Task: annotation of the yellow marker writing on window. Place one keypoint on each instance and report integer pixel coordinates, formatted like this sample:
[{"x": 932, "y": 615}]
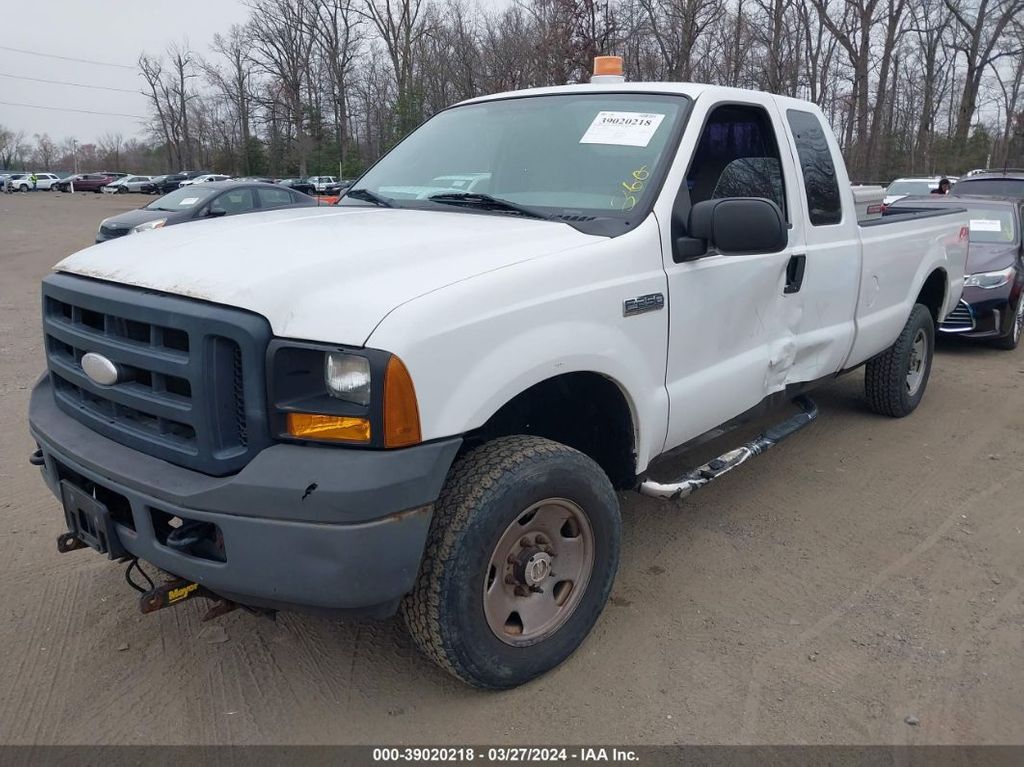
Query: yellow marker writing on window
[{"x": 632, "y": 188}]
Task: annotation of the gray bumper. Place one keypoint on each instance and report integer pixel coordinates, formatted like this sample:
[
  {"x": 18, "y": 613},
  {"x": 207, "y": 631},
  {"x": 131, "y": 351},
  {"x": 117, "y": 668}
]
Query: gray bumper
[{"x": 305, "y": 527}]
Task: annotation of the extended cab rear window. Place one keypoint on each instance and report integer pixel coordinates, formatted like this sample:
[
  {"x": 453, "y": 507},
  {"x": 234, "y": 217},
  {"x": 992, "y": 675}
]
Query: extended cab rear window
[{"x": 824, "y": 206}]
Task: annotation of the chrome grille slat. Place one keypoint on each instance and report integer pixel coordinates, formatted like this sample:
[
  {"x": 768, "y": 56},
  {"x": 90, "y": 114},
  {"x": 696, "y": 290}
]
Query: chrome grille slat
[{"x": 960, "y": 320}]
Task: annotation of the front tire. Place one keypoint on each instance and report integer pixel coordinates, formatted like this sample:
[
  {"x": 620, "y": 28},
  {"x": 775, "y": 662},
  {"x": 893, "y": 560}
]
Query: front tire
[
  {"x": 895, "y": 380},
  {"x": 520, "y": 559},
  {"x": 1010, "y": 341}
]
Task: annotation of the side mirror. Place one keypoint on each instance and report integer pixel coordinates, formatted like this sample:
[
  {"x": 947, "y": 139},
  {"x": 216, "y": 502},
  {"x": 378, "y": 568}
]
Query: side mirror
[
  {"x": 733, "y": 226},
  {"x": 215, "y": 212}
]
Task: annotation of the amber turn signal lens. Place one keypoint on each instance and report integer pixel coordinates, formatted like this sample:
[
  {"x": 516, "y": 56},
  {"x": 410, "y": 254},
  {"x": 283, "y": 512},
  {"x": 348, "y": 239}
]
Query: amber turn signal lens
[
  {"x": 608, "y": 65},
  {"x": 401, "y": 413},
  {"x": 331, "y": 427}
]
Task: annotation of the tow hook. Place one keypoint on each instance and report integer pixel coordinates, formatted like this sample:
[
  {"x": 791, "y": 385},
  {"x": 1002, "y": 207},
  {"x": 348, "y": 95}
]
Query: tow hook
[
  {"x": 68, "y": 542},
  {"x": 179, "y": 590},
  {"x": 36, "y": 459}
]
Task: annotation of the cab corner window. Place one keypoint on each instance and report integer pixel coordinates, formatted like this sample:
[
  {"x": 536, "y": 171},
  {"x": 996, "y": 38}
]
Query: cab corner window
[
  {"x": 824, "y": 206},
  {"x": 737, "y": 156}
]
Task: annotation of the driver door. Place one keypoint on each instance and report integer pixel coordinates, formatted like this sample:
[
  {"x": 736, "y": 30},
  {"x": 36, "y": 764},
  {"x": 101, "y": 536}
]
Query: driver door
[{"x": 732, "y": 318}]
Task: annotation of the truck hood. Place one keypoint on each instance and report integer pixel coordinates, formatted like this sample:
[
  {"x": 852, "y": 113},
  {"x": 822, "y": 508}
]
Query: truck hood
[{"x": 322, "y": 274}]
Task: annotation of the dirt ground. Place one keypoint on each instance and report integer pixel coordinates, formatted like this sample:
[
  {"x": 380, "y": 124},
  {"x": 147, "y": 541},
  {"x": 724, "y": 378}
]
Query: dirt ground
[{"x": 866, "y": 571}]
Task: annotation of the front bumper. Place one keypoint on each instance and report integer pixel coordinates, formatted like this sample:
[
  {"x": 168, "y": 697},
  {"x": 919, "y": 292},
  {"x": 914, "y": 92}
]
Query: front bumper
[
  {"x": 984, "y": 313},
  {"x": 315, "y": 528}
]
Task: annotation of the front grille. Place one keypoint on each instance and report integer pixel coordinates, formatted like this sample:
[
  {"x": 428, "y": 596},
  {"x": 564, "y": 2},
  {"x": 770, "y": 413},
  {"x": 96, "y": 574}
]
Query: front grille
[
  {"x": 111, "y": 232},
  {"x": 190, "y": 386},
  {"x": 960, "y": 320}
]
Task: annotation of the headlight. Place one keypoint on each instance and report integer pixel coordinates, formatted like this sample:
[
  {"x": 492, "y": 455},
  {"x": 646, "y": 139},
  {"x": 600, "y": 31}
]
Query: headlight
[
  {"x": 348, "y": 377},
  {"x": 990, "y": 280},
  {"x": 343, "y": 395},
  {"x": 158, "y": 224}
]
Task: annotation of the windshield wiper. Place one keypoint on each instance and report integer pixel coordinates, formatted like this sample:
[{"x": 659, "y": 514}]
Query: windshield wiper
[
  {"x": 486, "y": 202},
  {"x": 367, "y": 196}
]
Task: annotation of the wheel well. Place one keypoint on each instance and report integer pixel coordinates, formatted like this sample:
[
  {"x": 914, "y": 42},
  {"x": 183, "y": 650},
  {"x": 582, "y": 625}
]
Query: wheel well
[
  {"x": 933, "y": 293},
  {"x": 585, "y": 411}
]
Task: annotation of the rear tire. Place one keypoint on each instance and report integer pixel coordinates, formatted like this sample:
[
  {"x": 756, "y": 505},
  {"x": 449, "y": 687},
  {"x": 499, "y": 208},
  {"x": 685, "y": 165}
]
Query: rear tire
[
  {"x": 554, "y": 580},
  {"x": 895, "y": 380}
]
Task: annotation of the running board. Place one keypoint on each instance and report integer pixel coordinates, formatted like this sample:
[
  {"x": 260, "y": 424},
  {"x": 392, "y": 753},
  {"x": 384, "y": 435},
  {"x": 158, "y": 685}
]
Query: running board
[{"x": 712, "y": 470}]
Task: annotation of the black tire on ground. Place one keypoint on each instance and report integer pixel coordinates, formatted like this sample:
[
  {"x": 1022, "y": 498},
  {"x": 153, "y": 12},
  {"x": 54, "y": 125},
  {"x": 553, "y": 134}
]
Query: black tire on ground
[
  {"x": 487, "y": 491},
  {"x": 889, "y": 383},
  {"x": 1010, "y": 340}
]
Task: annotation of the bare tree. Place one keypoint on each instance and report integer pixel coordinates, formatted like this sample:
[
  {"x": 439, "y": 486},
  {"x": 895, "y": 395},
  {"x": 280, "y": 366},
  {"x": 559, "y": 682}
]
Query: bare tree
[
  {"x": 400, "y": 26},
  {"x": 280, "y": 32},
  {"x": 45, "y": 152},
  {"x": 981, "y": 41}
]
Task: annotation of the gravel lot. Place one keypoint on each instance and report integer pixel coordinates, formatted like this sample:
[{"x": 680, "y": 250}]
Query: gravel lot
[{"x": 866, "y": 571}]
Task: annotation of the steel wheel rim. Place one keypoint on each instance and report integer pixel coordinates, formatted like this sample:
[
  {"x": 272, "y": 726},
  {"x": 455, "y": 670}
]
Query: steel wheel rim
[
  {"x": 538, "y": 572},
  {"x": 918, "y": 362}
]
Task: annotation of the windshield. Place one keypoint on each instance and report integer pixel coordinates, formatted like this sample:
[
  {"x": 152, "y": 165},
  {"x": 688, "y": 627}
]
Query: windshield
[
  {"x": 911, "y": 187},
  {"x": 991, "y": 187},
  {"x": 592, "y": 154},
  {"x": 180, "y": 199}
]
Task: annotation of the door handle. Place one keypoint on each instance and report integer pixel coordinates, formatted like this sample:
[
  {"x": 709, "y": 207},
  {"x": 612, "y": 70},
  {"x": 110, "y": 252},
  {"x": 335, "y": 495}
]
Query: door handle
[{"x": 795, "y": 273}]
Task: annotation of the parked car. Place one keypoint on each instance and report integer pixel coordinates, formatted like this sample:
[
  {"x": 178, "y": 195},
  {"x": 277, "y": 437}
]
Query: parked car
[
  {"x": 208, "y": 200},
  {"x": 163, "y": 184},
  {"x": 992, "y": 183},
  {"x": 992, "y": 305},
  {"x": 429, "y": 401},
  {"x": 320, "y": 183},
  {"x": 83, "y": 182},
  {"x": 13, "y": 180},
  {"x": 22, "y": 182},
  {"x": 262, "y": 179},
  {"x": 903, "y": 187},
  {"x": 337, "y": 187},
  {"x": 298, "y": 184},
  {"x": 128, "y": 184},
  {"x": 206, "y": 178}
]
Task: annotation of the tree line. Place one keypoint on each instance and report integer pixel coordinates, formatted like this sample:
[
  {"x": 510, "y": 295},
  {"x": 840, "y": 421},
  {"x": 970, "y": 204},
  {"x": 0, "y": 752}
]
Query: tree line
[{"x": 314, "y": 86}]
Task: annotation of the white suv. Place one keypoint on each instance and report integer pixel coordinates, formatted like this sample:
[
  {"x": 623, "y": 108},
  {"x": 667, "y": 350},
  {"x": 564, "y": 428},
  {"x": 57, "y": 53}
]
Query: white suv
[
  {"x": 22, "y": 182},
  {"x": 320, "y": 183}
]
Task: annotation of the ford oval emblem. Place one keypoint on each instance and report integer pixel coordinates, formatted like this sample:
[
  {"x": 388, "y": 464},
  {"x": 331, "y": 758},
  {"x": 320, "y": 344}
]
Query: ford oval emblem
[{"x": 99, "y": 369}]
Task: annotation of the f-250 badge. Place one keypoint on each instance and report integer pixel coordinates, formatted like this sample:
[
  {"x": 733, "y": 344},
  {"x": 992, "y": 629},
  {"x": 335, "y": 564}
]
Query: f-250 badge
[{"x": 651, "y": 302}]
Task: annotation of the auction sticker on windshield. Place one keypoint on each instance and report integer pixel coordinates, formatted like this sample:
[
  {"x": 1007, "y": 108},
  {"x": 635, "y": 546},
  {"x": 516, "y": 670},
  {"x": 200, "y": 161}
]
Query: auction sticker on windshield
[
  {"x": 622, "y": 128},
  {"x": 189, "y": 201},
  {"x": 986, "y": 225}
]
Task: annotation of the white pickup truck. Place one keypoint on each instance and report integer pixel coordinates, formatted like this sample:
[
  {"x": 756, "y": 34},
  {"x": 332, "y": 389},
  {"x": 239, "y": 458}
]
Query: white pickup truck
[{"x": 432, "y": 410}]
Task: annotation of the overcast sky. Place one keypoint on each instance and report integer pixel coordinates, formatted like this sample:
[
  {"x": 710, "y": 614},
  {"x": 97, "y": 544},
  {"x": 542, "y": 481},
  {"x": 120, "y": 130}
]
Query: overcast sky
[{"x": 110, "y": 31}]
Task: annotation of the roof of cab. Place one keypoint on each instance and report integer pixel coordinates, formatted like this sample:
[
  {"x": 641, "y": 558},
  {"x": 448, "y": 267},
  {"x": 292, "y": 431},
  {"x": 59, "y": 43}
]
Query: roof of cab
[{"x": 684, "y": 89}]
